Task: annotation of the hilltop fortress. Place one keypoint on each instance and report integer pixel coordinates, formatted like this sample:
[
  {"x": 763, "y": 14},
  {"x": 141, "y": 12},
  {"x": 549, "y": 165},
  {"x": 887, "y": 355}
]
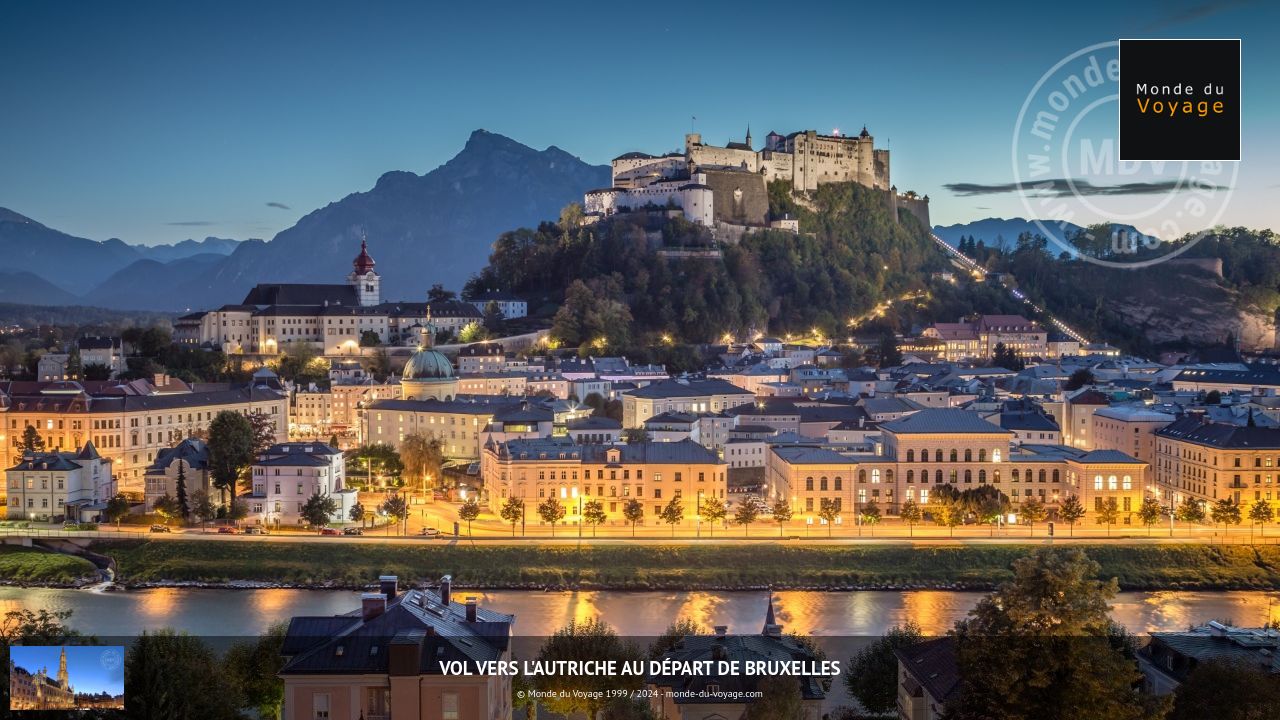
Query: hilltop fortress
[{"x": 725, "y": 188}]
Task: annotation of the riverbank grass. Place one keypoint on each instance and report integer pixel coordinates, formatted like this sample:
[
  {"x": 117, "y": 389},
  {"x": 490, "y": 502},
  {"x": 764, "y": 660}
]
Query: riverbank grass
[
  {"x": 26, "y": 565},
  {"x": 686, "y": 567}
]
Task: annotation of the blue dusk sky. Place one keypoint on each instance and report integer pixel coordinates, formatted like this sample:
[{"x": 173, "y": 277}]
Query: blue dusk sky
[
  {"x": 87, "y": 670},
  {"x": 154, "y": 122}
]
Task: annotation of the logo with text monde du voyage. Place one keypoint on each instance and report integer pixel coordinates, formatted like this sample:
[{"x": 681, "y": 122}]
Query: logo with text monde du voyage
[{"x": 1124, "y": 152}]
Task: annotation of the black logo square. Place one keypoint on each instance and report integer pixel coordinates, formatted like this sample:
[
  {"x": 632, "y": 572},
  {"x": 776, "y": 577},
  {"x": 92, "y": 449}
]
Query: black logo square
[{"x": 1180, "y": 100}]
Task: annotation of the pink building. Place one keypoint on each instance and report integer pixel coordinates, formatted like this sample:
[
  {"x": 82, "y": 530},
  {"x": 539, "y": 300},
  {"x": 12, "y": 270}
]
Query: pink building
[{"x": 384, "y": 660}]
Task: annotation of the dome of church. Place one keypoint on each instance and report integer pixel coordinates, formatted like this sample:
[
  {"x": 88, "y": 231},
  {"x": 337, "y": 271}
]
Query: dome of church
[
  {"x": 363, "y": 263},
  {"x": 427, "y": 364}
]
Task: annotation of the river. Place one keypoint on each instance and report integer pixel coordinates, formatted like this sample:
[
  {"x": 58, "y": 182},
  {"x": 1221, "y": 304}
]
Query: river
[{"x": 226, "y": 613}]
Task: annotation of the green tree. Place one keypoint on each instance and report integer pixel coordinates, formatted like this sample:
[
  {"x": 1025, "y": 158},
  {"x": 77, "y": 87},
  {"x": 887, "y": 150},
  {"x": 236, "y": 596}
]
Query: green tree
[
  {"x": 166, "y": 507},
  {"x": 356, "y": 513},
  {"x": 396, "y": 508},
  {"x": 318, "y": 510},
  {"x": 117, "y": 507},
  {"x": 1150, "y": 512},
  {"x": 231, "y": 448},
  {"x": 747, "y": 512},
  {"x": 237, "y": 510},
  {"x": 872, "y": 674},
  {"x": 1042, "y": 645},
  {"x": 633, "y": 512},
  {"x": 551, "y": 511},
  {"x": 251, "y": 668},
  {"x": 871, "y": 515},
  {"x": 1226, "y": 512},
  {"x": 369, "y": 338},
  {"x": 97, "y": 372},
  {"x": 714, "y": 512},
  {"x": 1261, "y": 513},
  {"x": 829, "y": 510},
  {"x": 588, "y": 641},
  {"x": 1006, "y": 357},
  {"x": 1190, "y": 511},
  {"x": 513, "y": 512},
  {"x": 593, "y": 514},
  {"x": 1032, "y": 512},
  {"x": 1223, "y": 690},
  {"x": 264, "y": 430},
  {"x": 890, "y": 355},
  {"x": 635, "y": 436},
  {"x": 1108, "y": 513},
  {"x": 1071, "y": 512},
  {"x": 673, "y": 513},
  {"x": 184, "y": 509},
  {"x": 673, "y": 636},
  {"x": 423, "y": 458},
  {"x": 202, "y": 506},
  {"x": 469, "y": 511},
  {"x": 781, "y": 512},
  {"x": 380, "y": 364},
  {"x": 171, "y": 675},
  {"x": 75, "y": 366},
  {"x": 1213, "y": 397},
  {"x": 910, "y": 514},
  {"x": 780, "y": 699},
  {"x": 437, "y": 294},
  {"x": 31, "y": 441},
  {"x": 494, "y": 322},
  {"x": 1079, "y": 379},
  {"x": 594, "y": 316}
]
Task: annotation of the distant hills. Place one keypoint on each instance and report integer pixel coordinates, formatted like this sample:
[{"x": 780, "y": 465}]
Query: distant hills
[
  {"x": 991, "y": 230},
  {"x": 422, "y": 229},
  {"x": 73, "y": 263}
]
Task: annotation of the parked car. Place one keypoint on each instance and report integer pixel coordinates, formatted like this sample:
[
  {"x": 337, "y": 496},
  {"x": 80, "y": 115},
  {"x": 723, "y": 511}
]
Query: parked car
[
  {"x": 257, "y": 530},
  {"x": 226, "y": 530},
  {"x": 329, "y": 531},
  {"x": 429, "y": 532},
  {"x": 70, "y": 525},
  {"x": 352, "y": 531},
  {"x": 160, "y": 529}
]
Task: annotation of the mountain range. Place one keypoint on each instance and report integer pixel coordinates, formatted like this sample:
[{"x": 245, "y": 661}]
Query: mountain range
[
  {"x": 422, "y": 229},
  {"x": 992, "y": 230}
]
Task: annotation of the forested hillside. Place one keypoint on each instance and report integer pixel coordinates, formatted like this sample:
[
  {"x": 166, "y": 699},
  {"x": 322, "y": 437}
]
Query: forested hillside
[{"x": 616, "y": 283}]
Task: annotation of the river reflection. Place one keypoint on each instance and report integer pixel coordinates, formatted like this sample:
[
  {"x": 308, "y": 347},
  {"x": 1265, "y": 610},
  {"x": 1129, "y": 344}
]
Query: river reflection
[{"x": 248, "y": 612}]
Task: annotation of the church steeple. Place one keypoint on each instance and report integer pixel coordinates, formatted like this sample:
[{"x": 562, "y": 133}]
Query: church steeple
[
  {"x": 63, "y": 680},
  {"x": 367, "y": 283},
  {"x": 749, "y": 136}
]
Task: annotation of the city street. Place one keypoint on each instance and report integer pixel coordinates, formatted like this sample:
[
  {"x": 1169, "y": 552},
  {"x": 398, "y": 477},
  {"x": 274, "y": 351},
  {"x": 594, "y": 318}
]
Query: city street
[{"x": 490, "y": 529}]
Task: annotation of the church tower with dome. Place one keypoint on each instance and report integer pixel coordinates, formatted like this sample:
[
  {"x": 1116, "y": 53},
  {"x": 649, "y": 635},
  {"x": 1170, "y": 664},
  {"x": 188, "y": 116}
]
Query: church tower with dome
[
  {"x": 367, "y": 283},
  {"x": 428, "y": 374}
]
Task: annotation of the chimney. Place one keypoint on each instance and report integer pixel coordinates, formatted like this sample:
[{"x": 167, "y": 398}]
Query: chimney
[
  {"x": 446, "y": 590},
  {"x": 471, "y": 609},
  {"x": 721, "y": 630},
  {"x": 389, "y": 585},
  {"x": 372, "y": 605}
]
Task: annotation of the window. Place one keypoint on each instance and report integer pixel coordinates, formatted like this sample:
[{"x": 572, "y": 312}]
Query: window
[
  {"x": 1097, "y": 482},
  {"x": 449, "y": 706},
  {"x": 320, "y": 706}
]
